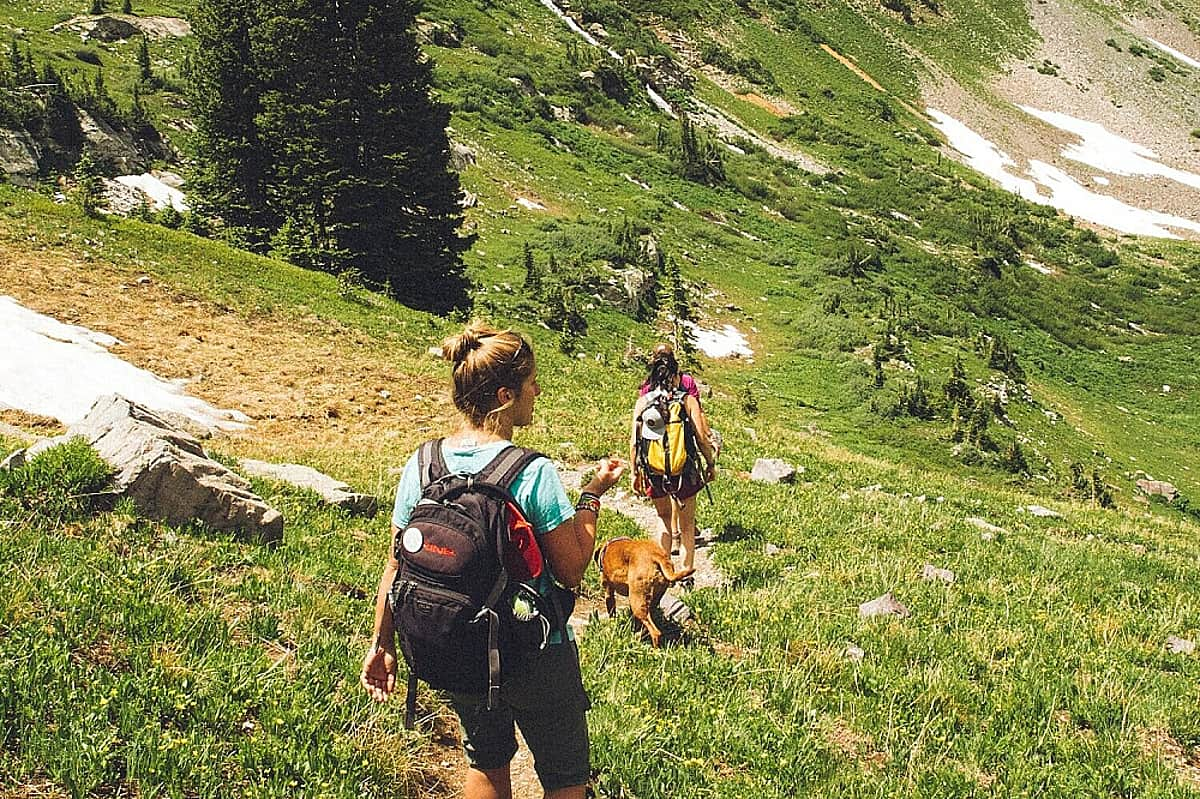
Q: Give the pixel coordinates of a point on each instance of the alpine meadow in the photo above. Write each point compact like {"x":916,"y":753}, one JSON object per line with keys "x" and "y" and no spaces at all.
{"x":939,"y":259}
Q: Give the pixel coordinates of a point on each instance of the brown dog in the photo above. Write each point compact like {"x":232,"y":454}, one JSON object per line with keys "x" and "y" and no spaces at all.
{"x":640,"y":570}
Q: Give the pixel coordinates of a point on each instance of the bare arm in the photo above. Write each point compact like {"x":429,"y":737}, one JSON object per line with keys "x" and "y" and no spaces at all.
{"x":379,"y":666}
{"x":568,"y":547}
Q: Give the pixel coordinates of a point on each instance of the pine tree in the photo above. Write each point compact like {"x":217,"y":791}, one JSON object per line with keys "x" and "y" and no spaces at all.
{"x":127,"y":7}
{"x":143,"y":59}
{"x":89,"y":187}
{"x":363,"y":159}
{"x":533,"y":274}
{"x":224,"y":87}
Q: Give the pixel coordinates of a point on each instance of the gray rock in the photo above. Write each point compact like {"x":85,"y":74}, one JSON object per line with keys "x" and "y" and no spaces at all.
{"x":166,"y":473}
{"x":19,"y":157}
{"x":333,"y":492}
{"x":673,"y":608}
{"x":111,"y":29}
{"x":1045,"y":513}
{"x":120,"y":149}
{"x":773,"y":471}
{"x":853,"y":653}
{"x":886,"y":605}
{"x":1158,"y":488}
{"x":1180,"y":646}
{"x":931,"y":572}
{"x":986,"y":526}
{"x":14,"y":460}
{"x":461,"y":156}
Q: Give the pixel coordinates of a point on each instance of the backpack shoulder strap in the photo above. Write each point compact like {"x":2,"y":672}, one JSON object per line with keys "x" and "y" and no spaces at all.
{"x":505,"y":467}
{"x":430,"y":462}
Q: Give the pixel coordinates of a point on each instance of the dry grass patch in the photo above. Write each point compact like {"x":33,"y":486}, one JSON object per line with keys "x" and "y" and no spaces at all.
{"x":1185,"y":762}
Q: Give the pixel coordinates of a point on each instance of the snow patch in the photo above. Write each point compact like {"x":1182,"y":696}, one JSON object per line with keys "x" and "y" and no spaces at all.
{"x":1099,"y":148}
{"x":1186,"y":59}
{"x":160,"y":194}
{"x":59,"y":370}
{"x":1065,"y":193}
{"x":532,"y":205}
{"x":723,"y":343}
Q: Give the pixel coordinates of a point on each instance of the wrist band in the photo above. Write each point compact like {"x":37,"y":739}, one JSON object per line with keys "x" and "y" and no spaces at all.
{"x":588,"y":501}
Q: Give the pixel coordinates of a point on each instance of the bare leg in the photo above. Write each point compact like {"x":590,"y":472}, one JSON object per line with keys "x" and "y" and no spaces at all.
{"x":687,"y":531}
{"x":571,"y":792}
{"x":663,"y":507}
{"x":493,"y":784}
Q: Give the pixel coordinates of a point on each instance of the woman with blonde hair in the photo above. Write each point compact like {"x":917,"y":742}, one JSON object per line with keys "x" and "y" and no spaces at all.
{"x":494,"y":389}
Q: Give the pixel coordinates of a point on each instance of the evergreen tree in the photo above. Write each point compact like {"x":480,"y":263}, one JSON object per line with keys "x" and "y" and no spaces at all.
{"x":127,"y":7}
{"x":319,"y":134}
{"x":677,"y":302}
{"x":533,"y":274}
{"x":232,"y":176}
{"x":143,"y":59}
{"x":396,"y":209}
{"x":89,"y":187}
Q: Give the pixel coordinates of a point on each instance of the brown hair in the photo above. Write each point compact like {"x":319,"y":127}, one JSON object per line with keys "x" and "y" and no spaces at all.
{"x":484,"y":360}
{"x":663,"y":367}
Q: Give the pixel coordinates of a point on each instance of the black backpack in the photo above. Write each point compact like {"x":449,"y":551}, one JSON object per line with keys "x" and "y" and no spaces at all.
{"x":462,"y":604}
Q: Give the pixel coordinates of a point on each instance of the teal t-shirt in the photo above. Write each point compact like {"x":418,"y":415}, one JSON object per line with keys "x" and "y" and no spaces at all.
{"x":538,"y":490}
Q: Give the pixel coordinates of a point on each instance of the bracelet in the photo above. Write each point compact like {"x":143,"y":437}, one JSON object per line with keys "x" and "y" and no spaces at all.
{"x":588,"y":501}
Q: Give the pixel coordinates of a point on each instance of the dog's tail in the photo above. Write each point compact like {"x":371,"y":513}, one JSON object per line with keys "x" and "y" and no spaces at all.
{"x":668,"y":569}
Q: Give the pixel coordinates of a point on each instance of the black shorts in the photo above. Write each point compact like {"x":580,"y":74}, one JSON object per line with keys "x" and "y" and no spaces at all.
{"x":548,"y":703}
{"x":681,"y":487}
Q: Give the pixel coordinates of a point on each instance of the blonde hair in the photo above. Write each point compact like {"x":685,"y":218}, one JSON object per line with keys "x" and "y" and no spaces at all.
{"x":486,"y":359}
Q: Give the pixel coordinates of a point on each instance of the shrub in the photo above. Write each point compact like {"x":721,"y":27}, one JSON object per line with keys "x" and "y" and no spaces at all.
{"x":60,"y":485}
{"x":1157,"y":74}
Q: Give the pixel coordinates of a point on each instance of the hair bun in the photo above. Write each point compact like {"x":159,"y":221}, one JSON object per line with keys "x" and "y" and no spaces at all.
{"x":456,"y":348}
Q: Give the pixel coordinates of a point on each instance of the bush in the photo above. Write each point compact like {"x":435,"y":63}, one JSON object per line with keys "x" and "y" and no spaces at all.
{"x":62,"y":484}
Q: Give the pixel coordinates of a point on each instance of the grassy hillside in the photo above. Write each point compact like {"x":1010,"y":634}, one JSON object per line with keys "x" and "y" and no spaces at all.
{"x":142,"y":659}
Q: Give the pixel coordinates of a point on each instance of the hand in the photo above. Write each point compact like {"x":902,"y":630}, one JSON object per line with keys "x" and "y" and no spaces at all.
{"x":379,"y":672}
{"x":710,"y":472}
{"x":608,"y":472}
{"x":639,"y":483}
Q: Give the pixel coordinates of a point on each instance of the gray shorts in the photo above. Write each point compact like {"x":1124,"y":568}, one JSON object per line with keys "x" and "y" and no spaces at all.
{"x":547,"y":701}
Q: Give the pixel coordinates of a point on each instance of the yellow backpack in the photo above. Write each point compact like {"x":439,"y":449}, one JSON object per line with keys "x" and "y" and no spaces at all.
{"x":667,"y":441}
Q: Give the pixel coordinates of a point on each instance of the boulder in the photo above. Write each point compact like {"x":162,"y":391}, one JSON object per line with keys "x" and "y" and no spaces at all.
{"x":165,"y":472}
{"x":331,"y":491}
{"x":1158,"y":488}
{"x":1042,"y":512}
{"x":111,"y":29}
{"x":886,"y":605}
{"x":461,"y":156}
{"x":931,"y":573}
{"x":121,"y":149}
{"x":19,"y":157}
{"x":772,"y":470}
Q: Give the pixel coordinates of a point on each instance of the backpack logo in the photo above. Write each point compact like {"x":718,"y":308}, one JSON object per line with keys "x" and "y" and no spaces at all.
{"x":413,"y":539}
